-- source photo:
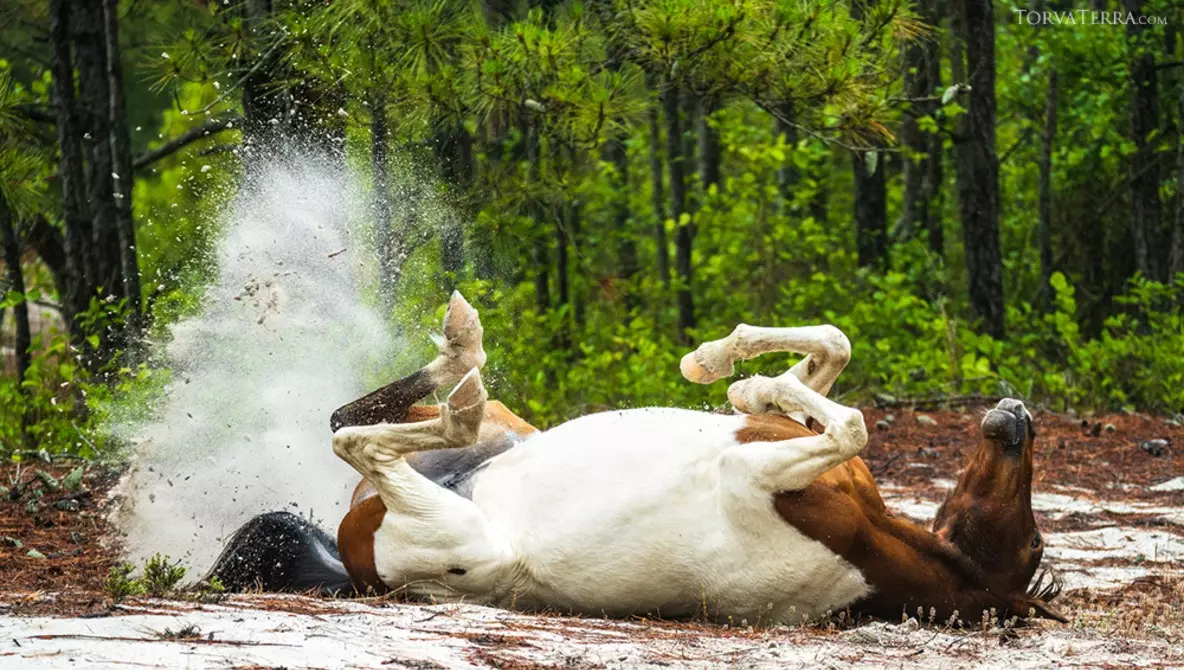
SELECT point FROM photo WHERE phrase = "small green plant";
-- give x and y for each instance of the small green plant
(209, 590)
(120, 584)
(161, 576)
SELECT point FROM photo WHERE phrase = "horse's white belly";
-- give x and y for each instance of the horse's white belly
(620, 513)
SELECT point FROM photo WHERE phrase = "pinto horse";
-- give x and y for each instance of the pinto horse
(657, 511)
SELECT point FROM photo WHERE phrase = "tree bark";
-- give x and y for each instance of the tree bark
(978, 173)
(871, 220)
(454, 151)
(540, 253)
(1176, 254)
(384, 238)
(615, 153)
(575, 224)
(931, 187)
(684, 235)
(562, 287)
(1045, 183)
(266, 115)
(921, 177)
(1144, 170)
(91, 44)
(121, 158)
(787, 174)
(659, 197)
(70, 170)
(16, 279)
(709, 148)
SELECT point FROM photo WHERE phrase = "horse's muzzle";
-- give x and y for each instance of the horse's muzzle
(1008, 423)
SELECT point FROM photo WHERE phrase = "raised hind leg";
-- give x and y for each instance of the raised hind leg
(766, 464)
(422, 537)
(826, 348)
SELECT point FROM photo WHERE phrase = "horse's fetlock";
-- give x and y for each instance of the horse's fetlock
(838, 347)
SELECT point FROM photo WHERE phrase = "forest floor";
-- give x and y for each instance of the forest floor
(1109, 499)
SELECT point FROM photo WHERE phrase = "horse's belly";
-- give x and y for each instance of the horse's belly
(619, 513)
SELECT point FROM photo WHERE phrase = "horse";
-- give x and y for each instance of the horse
(766, 514)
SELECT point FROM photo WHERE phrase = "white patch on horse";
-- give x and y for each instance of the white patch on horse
(615, 514)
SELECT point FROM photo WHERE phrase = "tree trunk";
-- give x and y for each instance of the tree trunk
(121, 158)
(1045, 185)
(922, 79)
(1176, 254)
(91, 44)
(871, 219)
(931, 185)
(1144, 172)
(615, 153)
(16, 280)
(978, 172)
(787, 174)
(454, 151)
(384, 234)
(265, 112)
(562, 287)
(70, 170)
(574, 230)
(709, 148)
(540, 253)
(659, 198)
(684, 235)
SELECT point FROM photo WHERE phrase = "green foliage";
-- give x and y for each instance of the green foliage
(773, 241)
(160, 576)
(120, 584)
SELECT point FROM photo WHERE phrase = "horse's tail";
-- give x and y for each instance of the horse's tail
(280, 551)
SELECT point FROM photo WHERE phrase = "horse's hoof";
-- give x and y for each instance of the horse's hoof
(709, 363)
(462, 325)
(460, 348)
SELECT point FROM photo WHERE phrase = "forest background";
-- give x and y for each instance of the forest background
(985, 196)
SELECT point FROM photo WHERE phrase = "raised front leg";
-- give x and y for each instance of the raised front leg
(425, 539)
(826, 348)
(457, 426)
(765, 464)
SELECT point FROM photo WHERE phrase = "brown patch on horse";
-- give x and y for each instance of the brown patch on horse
(497, 414)
(905, 565)
(355, 543)
(770, 428)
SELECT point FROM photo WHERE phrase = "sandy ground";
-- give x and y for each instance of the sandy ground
(1112, 514)
(351, 635)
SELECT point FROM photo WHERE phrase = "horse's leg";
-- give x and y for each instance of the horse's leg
(460, 351)
(422, 531)
(456, 426)
(826, 347)
(793, 463)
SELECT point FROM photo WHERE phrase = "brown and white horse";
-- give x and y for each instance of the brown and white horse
(657, 511)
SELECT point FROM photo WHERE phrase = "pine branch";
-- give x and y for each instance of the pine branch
(193, 135)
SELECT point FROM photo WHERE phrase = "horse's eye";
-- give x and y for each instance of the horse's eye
(1036, 541)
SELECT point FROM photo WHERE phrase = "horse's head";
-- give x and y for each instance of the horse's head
(988, 517)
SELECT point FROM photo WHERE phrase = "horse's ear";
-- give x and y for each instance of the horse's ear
(1047, 587)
